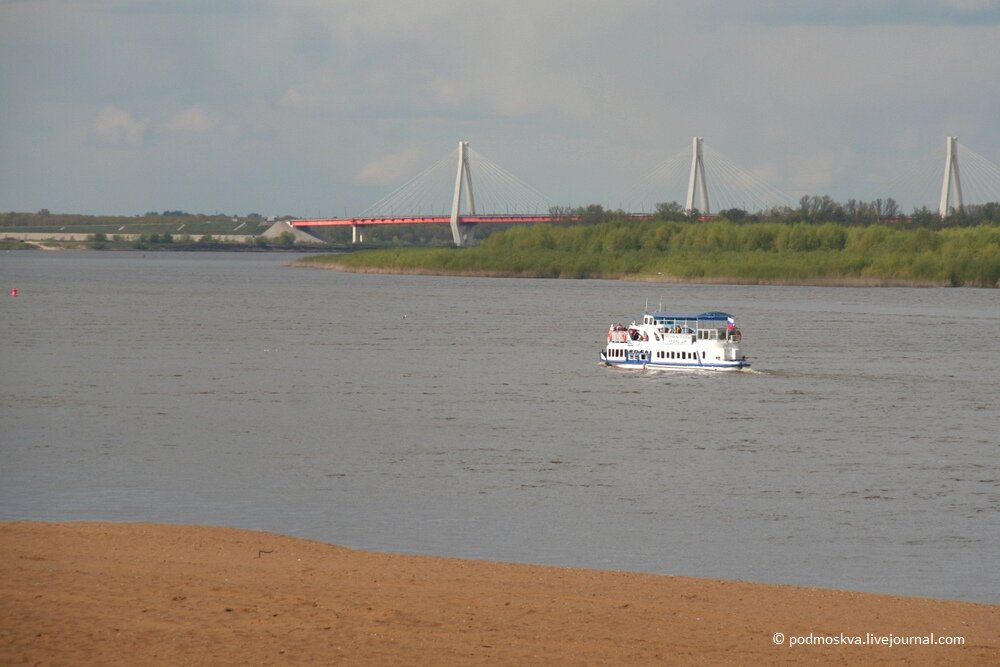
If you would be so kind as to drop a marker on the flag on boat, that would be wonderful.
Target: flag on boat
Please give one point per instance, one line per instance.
(730, 323)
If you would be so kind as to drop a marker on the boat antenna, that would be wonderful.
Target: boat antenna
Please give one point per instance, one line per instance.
(647, 304)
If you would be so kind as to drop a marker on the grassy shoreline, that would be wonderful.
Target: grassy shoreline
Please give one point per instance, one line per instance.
(715, 252)
(326, 262)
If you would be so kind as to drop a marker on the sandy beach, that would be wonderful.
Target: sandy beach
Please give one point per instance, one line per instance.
(138, 594)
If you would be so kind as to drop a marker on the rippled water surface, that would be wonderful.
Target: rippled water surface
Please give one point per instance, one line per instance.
(469, 417)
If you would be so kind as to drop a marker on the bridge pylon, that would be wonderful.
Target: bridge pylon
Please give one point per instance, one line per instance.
(697, 177)
(952, 183)
(463, 233)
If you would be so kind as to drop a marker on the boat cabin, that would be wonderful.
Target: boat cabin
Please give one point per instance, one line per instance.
(706, 326)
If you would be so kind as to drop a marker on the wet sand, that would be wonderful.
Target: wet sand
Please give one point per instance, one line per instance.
(137, 594)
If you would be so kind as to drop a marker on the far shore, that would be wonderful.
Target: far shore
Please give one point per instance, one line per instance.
(834, 281)
(123, 594)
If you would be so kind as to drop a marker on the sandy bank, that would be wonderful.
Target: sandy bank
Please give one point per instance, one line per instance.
(94, 593)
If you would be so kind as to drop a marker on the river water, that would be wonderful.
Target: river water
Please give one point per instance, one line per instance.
(469, 417)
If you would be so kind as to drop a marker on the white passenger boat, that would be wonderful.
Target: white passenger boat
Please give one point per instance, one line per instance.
(709, 341)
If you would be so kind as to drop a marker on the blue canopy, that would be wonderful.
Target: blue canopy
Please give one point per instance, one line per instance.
(714, 315)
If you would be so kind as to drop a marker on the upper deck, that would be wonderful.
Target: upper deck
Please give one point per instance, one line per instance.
(714, 325)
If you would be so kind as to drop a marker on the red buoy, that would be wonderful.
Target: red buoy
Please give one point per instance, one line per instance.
(13, 291)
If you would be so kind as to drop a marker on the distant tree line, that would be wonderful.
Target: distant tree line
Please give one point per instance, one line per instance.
(167, 241)
(811, 209)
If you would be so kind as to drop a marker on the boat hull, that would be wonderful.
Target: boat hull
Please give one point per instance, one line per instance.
(675, 365)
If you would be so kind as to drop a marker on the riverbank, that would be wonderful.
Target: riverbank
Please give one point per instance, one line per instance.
(336, 264)
(710, 252)
(98, 593)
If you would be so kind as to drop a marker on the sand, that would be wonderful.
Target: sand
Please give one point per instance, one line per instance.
(143, 594)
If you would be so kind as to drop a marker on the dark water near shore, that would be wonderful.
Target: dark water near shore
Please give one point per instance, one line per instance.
(469, 417)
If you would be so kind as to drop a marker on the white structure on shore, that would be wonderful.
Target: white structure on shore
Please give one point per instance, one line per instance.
(282, 227)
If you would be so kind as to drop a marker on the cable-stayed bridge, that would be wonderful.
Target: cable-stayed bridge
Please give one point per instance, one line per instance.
(498, 197)
(699, 170)
(501, 197)
(967, 179)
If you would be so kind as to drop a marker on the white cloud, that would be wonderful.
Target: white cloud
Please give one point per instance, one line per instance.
(118, 127)
(390, 168)
(296, 99)
(577, 97)
(192, 119)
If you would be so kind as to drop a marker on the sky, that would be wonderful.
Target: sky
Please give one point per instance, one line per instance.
(321, 107)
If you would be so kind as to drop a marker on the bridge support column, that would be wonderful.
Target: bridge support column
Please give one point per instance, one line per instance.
(697, 176)
(462, 234)
(952, 183)
(357, 234)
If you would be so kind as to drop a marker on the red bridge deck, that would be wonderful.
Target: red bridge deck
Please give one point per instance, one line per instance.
(424, 220)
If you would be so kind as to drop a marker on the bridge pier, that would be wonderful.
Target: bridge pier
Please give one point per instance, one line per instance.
(357, 234)
(462, 234)
(697, 176)
(952, 184)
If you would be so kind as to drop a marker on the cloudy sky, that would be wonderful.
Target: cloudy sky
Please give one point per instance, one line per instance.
(311, 107)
